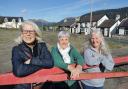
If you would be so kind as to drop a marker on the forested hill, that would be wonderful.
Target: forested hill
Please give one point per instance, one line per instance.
(111, 13)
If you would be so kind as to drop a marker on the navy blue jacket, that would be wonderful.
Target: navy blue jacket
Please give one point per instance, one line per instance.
(40, 58)
(39, 55)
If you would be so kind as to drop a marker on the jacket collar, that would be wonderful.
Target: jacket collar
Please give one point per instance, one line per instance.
(25, 44)
(26, 47)
(93, 49)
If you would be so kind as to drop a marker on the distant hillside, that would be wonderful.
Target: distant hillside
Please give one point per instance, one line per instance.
(41, 22)
(68, 19)
(111, 13)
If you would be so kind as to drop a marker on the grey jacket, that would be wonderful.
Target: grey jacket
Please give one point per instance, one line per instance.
(93, 58)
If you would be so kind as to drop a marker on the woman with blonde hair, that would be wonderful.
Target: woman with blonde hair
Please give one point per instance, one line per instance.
(97, 54)
(30, 54)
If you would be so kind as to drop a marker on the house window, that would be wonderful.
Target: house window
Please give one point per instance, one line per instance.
(126, 31)
(13, 20)
(88, 24)
(19, 20)
(121, 31)
(106, 32)
(5, 20)
(94, 23)
(83, 24)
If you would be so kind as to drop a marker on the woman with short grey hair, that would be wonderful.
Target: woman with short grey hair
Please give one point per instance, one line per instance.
(63, 34)
(67, 58)
(30, 54)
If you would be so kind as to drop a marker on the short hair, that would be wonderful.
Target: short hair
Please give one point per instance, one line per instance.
(63, 34)
(35, 28)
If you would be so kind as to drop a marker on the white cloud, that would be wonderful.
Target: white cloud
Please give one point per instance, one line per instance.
(23, 11)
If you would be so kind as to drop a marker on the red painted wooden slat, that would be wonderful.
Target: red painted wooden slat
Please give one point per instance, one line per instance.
(119, 60)
(86, 76)
(102, 75)
(60, 77)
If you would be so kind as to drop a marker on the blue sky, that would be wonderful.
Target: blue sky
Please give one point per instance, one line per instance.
(54, 10)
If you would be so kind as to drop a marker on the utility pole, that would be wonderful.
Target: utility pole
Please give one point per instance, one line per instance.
(90, 27)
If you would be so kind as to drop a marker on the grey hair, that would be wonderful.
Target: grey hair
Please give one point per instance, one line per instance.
(63, 34)
(104, 49)
(35, 28)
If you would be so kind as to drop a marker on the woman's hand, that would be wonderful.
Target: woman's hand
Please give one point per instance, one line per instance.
(79, 68)
(28, 61)
(75, 71)
(71, 67)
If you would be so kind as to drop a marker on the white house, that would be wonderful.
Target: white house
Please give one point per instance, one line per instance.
(70, 25)
(96, 21)
(109, 27)
(123, 27)
(10, 22)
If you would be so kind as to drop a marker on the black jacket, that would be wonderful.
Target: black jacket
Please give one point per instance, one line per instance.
(39, 55)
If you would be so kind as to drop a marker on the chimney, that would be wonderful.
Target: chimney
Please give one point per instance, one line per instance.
(117, 17)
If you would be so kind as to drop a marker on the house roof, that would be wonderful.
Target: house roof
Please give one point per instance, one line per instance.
(9, 18)
(95, 18)
(69, 20)
(67, 24)
(107, 23)
(124, 23)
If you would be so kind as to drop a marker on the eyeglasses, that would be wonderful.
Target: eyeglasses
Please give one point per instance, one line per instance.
(28, 31)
